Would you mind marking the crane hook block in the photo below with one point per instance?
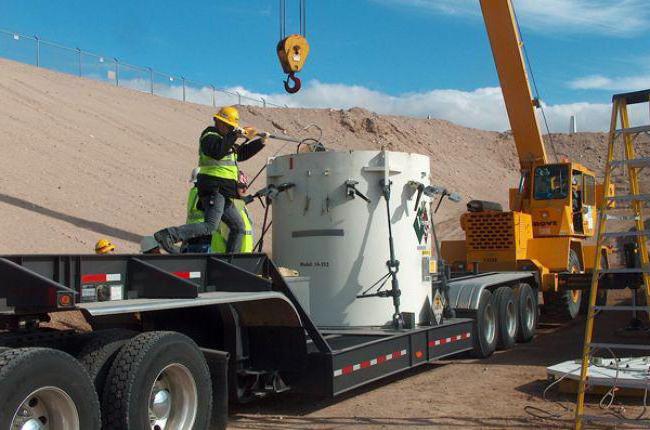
(292, 53)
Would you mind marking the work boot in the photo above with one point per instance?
(164, 238)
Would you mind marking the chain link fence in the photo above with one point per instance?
(74, 61)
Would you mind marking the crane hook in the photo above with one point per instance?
(296, 83)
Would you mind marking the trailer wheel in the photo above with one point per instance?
(98, 352)
(527, 316)
(507, 316)
(160, 381)
(44, 388)
(485, 326)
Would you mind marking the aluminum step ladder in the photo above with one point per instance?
(629, 166)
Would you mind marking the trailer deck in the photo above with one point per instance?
(337, 360)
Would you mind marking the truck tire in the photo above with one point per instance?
(527, 312)
(484, 331)
(159, 380)
(42, 385)
(507, 317)
(98, 352)
(565, 305)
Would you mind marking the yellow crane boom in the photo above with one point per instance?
(506, 43)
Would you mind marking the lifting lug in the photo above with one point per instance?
(296, 83)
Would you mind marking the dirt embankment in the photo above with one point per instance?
(83, 160)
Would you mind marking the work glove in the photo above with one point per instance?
(239, 131)
(249, 132)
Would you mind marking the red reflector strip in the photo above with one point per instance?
(369, 363)
(100, 277)
(447, 340)
(188, 275)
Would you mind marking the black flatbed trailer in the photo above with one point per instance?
(237, 308)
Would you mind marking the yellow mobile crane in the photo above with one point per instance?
(552, 211)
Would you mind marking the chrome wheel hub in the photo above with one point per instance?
(511, 315)
(173, 400)
(489, 321)
(48, 408)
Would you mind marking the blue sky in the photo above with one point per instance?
(415, 57)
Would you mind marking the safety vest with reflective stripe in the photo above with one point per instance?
(194, 215)
(220, 236)
(224, 168)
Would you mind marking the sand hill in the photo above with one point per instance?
(83, 159)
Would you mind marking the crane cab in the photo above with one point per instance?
(560, 198)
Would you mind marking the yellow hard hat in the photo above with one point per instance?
(229, 115)
(104, 246)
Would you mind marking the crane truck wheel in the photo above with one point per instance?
(46, 388)
(565, 305)
(527, 312)
(601, 296)
(98, 352)
(160, 381)
(507, 313)
(484, 330)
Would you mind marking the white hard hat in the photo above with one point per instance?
(195, 174)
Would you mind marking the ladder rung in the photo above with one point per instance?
(620, 346)
(630, 198)
(633, 130)
(628, 233)
(622, 308)
(635, 162)
(622, 217)
(626, 270)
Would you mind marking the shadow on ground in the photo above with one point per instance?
(97, 227)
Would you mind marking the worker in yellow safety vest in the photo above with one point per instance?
(194, 216)
(217, 179)
(218, 243)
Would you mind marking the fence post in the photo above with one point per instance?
(183, 81)
(38, 51)
(79, 60)
(238, 97)
(151, 79)
(117, 72)
(214, 97)
(263, 101)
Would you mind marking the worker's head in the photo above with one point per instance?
(226, 119)
(104, 246)
(195, 175)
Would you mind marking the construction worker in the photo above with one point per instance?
(218, 242)
(104, 246)
(217, 181)
(194, 216)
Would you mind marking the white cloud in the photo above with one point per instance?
(482, 108)
(621, 83)
(613, 17)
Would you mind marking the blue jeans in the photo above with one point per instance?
(216, 208)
